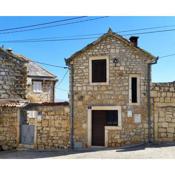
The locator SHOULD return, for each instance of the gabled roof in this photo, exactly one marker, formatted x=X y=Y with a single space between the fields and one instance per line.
x=111 y=34
x=35 y=70
x=38 y=71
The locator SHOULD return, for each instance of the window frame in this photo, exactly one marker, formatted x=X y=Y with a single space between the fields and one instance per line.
x=33 y=81
x=138 y=89
x=107 y=70
x=112 y=124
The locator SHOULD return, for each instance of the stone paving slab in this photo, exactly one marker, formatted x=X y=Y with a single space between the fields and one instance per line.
x=139 y=152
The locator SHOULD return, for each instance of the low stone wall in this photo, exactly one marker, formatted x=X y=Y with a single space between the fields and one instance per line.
x=52 y=125
x=163 y=111
x=9 y=128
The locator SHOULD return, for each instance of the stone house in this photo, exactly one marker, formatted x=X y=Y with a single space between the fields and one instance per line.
x=13 y=79
x=40 y=83
x=29 y=117
x=109 y=81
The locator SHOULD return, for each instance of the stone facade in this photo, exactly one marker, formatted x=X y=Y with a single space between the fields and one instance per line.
x=163 y=111
x=9 y=128
x=53 y=126
x=115 y=93
x=13 y=76
x=46 y=95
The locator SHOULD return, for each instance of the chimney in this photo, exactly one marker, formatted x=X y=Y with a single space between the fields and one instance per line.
x=134 y=40
x=9 y=50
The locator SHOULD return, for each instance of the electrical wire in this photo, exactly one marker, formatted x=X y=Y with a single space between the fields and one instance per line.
x=164 y=56
x=53 y=65
x=40 y=24
x=64 y=76
x=44 y=27
x=53 y=39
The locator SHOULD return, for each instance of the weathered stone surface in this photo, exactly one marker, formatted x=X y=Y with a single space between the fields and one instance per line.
x=13 y=77
x=47 y=94
x=116 y=93
x=9 y=128
x=53 y=130
x=164 y=122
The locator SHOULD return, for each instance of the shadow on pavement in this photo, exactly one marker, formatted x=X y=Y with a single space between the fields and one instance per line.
x=36 y=154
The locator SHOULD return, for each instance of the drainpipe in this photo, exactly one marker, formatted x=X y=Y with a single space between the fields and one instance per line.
x=149 y=99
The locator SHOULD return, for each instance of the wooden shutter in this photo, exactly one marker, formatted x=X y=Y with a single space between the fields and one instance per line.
x=99 y=70
x=134 y=89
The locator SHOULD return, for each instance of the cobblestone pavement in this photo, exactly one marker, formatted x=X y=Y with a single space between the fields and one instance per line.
x=138 y=152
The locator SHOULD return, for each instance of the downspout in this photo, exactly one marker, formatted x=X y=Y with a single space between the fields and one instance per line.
x=149 y=99
x=71 y=99
x=54 y=83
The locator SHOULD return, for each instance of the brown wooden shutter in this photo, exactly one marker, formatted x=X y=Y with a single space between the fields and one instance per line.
x=99 y=70
x=134 y=89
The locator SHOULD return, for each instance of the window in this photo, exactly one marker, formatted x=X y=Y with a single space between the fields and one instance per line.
x=112 y=118
x=37 y=86
x=134 y=90
x=99 y=73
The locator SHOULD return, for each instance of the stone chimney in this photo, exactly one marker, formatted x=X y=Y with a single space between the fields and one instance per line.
x=9 y=50
x=134 y=40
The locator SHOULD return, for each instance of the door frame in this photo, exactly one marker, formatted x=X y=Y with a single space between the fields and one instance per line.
x=35 y=128
x=89 y=122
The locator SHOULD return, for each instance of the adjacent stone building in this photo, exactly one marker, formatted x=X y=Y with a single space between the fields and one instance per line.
x=13 y=79
x=109 y=80
x=29 y=118
x=163 y=111
x=13 y=76
x=40 y=84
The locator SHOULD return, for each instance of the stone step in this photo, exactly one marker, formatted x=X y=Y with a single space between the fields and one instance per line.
x=23 y=147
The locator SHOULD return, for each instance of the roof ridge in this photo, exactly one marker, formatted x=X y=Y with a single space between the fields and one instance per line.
x=109 y=33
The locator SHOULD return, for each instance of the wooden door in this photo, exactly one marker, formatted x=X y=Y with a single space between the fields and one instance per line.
x=98 y=128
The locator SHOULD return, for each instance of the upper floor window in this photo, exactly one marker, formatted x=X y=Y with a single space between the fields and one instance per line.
x=134 y=94
x=37 y=86
x=99 y=70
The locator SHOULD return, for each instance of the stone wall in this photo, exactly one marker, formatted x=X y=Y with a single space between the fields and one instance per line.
x=163 y=111
x=116 y=93
x=9 y=128
x=13 y=77
x=47 y=94
x=53 y=128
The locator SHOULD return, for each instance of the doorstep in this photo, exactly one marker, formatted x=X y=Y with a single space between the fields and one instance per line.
x=23 y=147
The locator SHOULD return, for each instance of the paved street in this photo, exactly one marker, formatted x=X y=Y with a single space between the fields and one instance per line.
x=137 y=152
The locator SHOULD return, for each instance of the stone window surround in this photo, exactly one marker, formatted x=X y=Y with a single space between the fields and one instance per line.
x=37 y=92
x=107 y=69
x=138 y=89
x=107 y=128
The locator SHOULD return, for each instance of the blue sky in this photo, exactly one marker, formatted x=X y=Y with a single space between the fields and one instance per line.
x=158 y=44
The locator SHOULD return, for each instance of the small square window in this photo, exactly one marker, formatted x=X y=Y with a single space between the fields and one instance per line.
x=112 y=118
x=99 y=73
x=37 y=86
